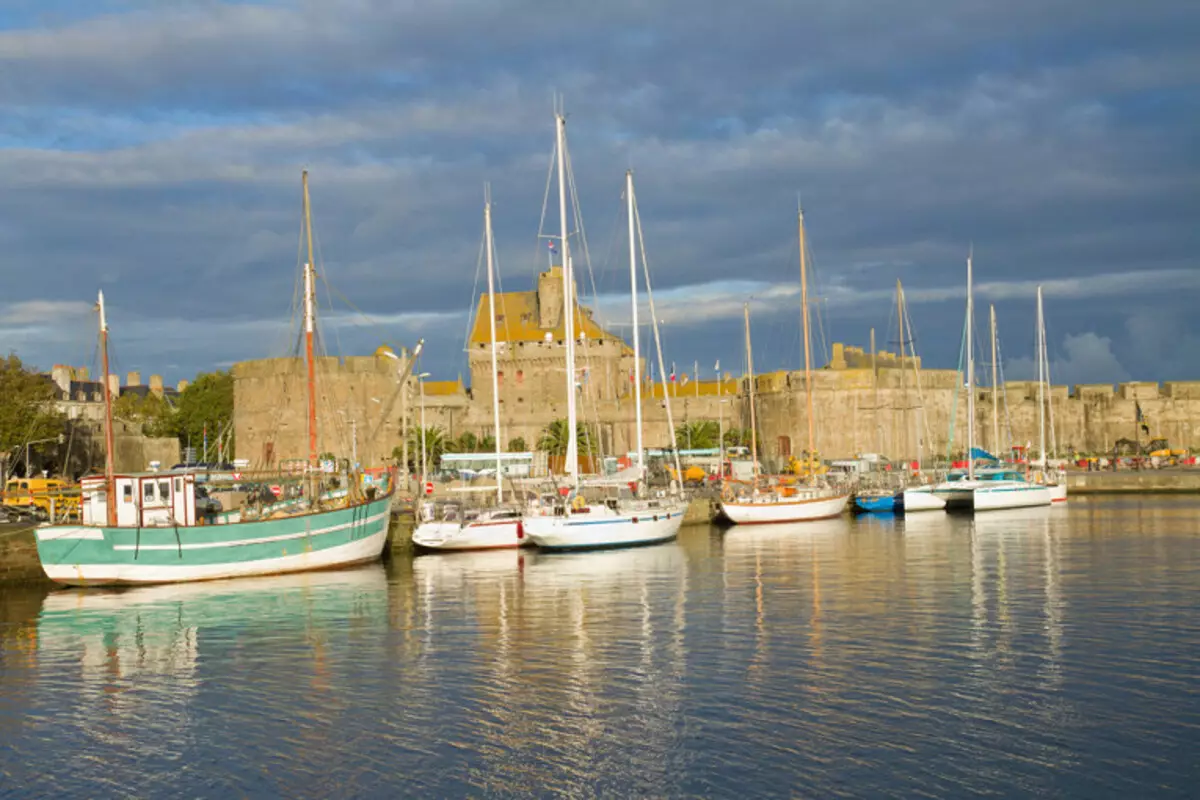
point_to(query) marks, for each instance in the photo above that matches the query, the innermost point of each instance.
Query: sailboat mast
(812, 450)
(560, 127)
(995, 388)
(875, 389)
(491, 278)
(633, 293)
(903, 376)
(310, 327)
(1042, 378)
(970, 373)
(753, 420)
(110, 484)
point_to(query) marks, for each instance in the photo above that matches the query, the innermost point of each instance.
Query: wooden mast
(812, 451)
(309, 328)
(110, 484)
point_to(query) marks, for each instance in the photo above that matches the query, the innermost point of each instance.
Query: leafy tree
(153, 413)
(517, 445)
(555, 435)
(467, 442)
(487, 444)
(698, 435)
(737, 437)
(435, 445)
(27, 409)
(207, 403)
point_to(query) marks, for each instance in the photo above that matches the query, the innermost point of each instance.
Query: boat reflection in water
(131, 664)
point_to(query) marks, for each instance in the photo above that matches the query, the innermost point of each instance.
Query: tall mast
(1042, 378)
(633, 293)
(903, 376)
(970, 372)
(560, 127)
(875, 388)
(995, 388)
(753, 421)
(491, 271)
(812, 450)
(110, 484)
(310, 324)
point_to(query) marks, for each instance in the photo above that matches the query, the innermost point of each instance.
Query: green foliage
(555, 436)
(487, 444)
(737, 437)
(465, 443)
(206, 402)
(517, 445)
(27, 408)
(435, 445)
(153, 413)
(698, 435)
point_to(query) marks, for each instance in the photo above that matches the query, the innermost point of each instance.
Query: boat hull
(876, 503)
(743, 513)
(78, 555)
(586, 532)
(1028, 495)
(472, 536)
(921, 499)
(1058, 492)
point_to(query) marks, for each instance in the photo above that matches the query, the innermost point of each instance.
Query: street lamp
(28, 467)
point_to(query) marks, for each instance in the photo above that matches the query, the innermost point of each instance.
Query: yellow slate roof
(517, 321)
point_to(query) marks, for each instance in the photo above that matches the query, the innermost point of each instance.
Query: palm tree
(435, 445)
(698, 435)
(555, 435)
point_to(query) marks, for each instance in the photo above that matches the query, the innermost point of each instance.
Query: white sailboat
(459, 527)
(1052, 478)
(785, 503)
(990, 488)
(572, 522)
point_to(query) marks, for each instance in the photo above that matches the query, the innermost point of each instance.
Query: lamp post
(28, 465)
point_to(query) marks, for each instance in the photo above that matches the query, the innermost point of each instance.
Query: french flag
(672, 372)
(550, 244)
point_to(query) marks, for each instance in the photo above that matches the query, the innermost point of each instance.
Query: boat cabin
(988, 474)
(144, 500)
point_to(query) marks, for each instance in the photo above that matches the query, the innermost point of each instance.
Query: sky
(153, 150)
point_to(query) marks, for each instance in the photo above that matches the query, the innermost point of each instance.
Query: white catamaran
(785, 503)
(571, 521)
(459, 526)
(989, 488)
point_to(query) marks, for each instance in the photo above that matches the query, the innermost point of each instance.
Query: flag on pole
(672, 372)
(550, 244)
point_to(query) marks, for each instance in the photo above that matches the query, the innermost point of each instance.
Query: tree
(435, 446)
(737, 437)
(152, 412)
(698, 435)
(27, 409)
(555, 435)
(517, 445)
(467, 442)
(206, 405)
(487, 444)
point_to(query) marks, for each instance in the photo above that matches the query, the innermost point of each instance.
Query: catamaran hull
(790, 511)
(924, 499)
(994, 499)
(578, 532)
(956, 499)
(78, 555)
(473, 536)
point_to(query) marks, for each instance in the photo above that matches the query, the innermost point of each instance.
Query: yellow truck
(41, 496)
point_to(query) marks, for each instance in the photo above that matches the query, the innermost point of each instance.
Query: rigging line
(577, 213)
(657, 339)
(912, 346)
(1008, 429)
(475, 314)
(821, 301)
(537, 249)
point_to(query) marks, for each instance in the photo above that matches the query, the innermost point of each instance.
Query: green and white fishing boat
(152, 527)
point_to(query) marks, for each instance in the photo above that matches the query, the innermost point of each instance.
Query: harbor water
(1045, 652)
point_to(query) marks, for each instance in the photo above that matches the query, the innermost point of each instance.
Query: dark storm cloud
(154, 149)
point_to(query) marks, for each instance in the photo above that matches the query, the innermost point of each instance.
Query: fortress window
(520, 377)
(499, 377)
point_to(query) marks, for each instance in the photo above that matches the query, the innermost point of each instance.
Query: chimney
(61, 375)
(156, 384)
(182, 387)
(133, 379)
(81, 373)
(114, 386)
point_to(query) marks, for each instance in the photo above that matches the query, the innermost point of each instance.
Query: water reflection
(1042, 651)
